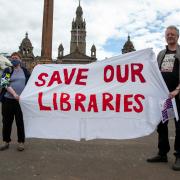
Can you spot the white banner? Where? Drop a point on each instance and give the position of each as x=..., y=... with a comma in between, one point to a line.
x=117, y=98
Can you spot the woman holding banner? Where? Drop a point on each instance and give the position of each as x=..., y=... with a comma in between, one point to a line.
x=13, y=82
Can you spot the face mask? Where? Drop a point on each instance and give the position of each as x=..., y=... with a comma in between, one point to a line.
x=15, y=62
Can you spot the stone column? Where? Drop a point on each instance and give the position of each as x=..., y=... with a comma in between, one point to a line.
x=47, y=31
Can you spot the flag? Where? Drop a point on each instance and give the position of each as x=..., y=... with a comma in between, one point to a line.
x=167, y=110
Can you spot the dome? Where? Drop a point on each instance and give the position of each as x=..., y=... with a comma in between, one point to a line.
x=128, y=46
x=61, y=47
x=26, y=42
x=93, y=47
x=26, y=49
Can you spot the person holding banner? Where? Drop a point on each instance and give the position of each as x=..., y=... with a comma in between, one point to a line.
x=169, y=65
x=13, y=82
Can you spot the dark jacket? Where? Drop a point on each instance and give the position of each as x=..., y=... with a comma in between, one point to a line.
x=9, y=70
x=161, y=55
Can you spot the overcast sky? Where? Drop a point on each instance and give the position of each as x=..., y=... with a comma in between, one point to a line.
x=108, y=23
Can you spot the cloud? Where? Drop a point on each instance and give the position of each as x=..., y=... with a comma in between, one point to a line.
x=108, y=23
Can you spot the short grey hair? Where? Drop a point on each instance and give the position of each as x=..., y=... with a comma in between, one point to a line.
x=173, y=27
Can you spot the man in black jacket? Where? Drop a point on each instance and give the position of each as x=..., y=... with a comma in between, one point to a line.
x=169, y=65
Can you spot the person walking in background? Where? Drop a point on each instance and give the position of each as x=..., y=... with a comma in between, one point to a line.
x=169, y=64
x=13, y=82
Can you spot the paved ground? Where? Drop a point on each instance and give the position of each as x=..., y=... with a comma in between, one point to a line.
x=86, y=160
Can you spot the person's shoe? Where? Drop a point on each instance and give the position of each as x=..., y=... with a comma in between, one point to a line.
x=20, y=147
x=176, y=165
x=4, y=146
x=158, y=158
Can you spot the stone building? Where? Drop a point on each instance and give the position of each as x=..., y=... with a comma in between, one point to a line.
x=128, y=46
x=26, y=52
x=78, y=43
x=77, y=53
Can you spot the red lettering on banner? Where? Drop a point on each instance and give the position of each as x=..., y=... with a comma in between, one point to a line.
x=67, y=79
x=92, y=103
x=107, y=98
x=118, y=102
x=120, y=78
x=81, y=76
x=110, y=102
x=41, y=106
x=136, y=70
x=138, y=98
x=128, y=103
x=55, y=101
x=43, y=81
x=68, y=74
x=109, y=69
x=55, y=78
x=64, y=99
x=79, y=98
x=131, y=71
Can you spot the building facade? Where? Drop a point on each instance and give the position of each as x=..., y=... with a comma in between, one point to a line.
x=26, y=51
x=77, y=53
x=128, y=46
